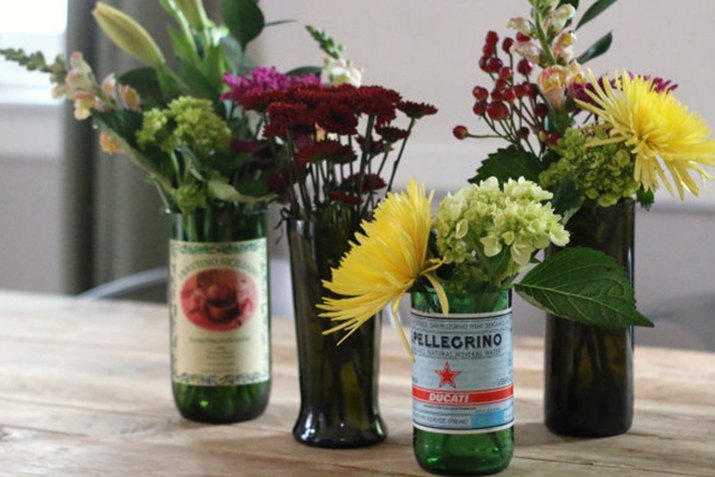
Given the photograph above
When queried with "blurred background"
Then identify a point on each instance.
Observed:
(73, 219)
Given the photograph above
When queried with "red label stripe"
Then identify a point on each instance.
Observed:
(462, 398)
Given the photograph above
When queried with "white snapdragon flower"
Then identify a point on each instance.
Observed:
(342, 71)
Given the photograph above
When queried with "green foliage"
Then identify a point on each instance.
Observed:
(583, 285)
(305, 70)
(573, 3)
(567, 199)
(600, 47)
(244, 20)
(645, 198)
(509, 163)
(594, 10)
(146, 82)
(327, 43)
(234, 54)
(36, 62)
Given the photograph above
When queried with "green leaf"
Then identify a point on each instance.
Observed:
(199, 85)
(222, 190)
(145, 81)
(234, 54)
(183, 48)
(594, 10)
(244, 19)
(567, 199)
(597, 49)
(645, 198)
(305, 70)
(573, 3)
(559, 121)
(509, 163)
(279, 22)
(583, 285)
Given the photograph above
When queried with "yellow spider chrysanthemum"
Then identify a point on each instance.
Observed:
(660, 131)
(384, 262)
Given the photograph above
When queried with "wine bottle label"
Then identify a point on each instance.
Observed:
(219, 312)
(462, 375)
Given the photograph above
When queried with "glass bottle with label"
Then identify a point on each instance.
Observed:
(220, 316)
(462, 388)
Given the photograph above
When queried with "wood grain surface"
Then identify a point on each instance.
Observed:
(84, 391)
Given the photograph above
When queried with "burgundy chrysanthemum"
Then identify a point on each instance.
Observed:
(337, 118)
(415, 110)
(378, 102)
(345, 197)
(260, 101)
(370, 183)
(288, 117)
(376, 146)
(328, 150)
(392, 134)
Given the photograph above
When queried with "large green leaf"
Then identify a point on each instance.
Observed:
(583, 285)
(244, 19)
(509, 163)
(597, 49)
(594, 10)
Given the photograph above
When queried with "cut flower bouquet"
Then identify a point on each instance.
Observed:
(481, 238)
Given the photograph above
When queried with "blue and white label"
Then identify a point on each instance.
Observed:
(462, 378)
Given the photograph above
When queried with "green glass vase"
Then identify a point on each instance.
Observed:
(220, 314)
(338, 384)
(462, 382)
(588, 371)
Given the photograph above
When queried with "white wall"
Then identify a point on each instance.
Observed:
(30, 148)
(429, 49)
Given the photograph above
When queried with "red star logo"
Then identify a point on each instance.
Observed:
(446, 376)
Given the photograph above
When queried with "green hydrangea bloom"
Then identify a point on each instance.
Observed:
(188, 122)
(602, 173)
(481, 221)
(155, 131)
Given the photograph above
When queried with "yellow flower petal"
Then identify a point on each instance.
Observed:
(662, 133)
(384, 262)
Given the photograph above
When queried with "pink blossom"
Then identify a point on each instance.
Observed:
(263, 79)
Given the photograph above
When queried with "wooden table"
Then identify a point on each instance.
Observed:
(84, 391)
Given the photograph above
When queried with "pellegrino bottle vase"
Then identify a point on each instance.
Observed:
(462, 387)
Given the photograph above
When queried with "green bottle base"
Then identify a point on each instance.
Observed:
(460, 454)
(221, 404)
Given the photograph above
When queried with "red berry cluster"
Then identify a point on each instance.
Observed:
(512, 107)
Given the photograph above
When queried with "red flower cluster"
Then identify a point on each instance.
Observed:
(312, 128)
(336, 109)
(370, 183)
(331, 151)
(392, 134)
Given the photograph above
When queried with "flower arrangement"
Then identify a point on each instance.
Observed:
(483, 237)
(586, 139)
(336, 146)
(179, 124)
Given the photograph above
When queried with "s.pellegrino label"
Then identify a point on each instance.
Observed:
(219, 312)
(462, 377)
